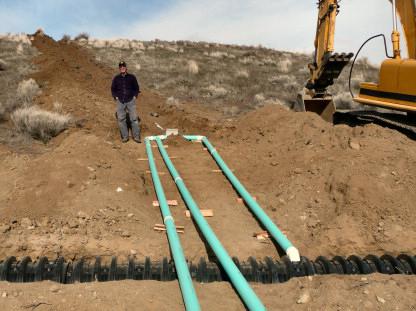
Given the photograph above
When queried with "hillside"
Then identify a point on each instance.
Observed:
(334, 190)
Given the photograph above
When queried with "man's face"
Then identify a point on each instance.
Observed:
(123, 69)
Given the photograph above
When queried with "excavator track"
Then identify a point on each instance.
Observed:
(397, 121)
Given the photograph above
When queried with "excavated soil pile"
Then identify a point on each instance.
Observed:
(334, 190)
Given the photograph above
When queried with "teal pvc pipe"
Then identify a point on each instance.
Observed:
(185, 280)
(237, 279)
(270, 226)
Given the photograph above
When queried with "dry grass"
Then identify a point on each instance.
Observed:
(82, 35)
(38, 123)
(26, 91)
(193, 67)
(3, 65)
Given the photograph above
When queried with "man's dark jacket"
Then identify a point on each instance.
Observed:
(125, 87)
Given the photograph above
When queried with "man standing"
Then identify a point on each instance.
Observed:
(125, 90)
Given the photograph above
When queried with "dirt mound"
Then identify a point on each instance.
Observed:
(349, 187)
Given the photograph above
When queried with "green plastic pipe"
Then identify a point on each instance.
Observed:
(184, 277)
(246, 293)
(291, 251)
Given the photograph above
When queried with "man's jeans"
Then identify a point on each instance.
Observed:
(130, 108)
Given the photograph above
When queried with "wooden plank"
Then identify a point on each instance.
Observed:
(160, 173)
(164, 229)
(204, 212)
(146, 159)
(262, 235)
(177, 226)
(170, 203)
(240, 200)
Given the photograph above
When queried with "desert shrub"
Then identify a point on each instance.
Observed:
(284, 65)
(66, 37)
(173, 49)
(3, 65)
(57, 107)
(3, 111)
(231, 111)
(19, 49)
(38, 123)
(217, 91)
(242, 73)
(218, 54)
(259, 99)
(193, 67)
(82, 35)
(172, 101)
(26, 91)
(122, 44)
(18, 38)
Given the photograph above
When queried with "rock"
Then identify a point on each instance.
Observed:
(25, 222)
(354, 145)
(298, 170)
(69, 184)
(4, 295)
(133, 252)
(72, 223)
(366, 292)
(154, 114)
(4, 228)
(130, 215)
(54, 288)
(83, 215)
(304, 298)
(380, 300)
(125, 234)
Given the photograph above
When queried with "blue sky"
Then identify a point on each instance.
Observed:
(281, 24)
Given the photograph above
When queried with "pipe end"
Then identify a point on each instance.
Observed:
(293, 254)
(152, 138)
(194, 137)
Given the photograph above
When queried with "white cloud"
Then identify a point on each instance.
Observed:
(284, 24)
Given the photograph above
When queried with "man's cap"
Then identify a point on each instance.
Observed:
(122, 64)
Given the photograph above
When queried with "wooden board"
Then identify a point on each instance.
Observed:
(170, 203)
(262, 235)
(163, 226)
(146, 159)
(204, 212)
(162, 229)
(240, 200)
(160, 173)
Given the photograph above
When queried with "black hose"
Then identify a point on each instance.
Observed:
(265, 271)
(359, 50)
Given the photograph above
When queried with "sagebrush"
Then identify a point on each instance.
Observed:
(38, 123)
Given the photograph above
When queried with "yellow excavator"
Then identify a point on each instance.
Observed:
(396, 88)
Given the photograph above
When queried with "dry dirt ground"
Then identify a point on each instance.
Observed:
(334, 190)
